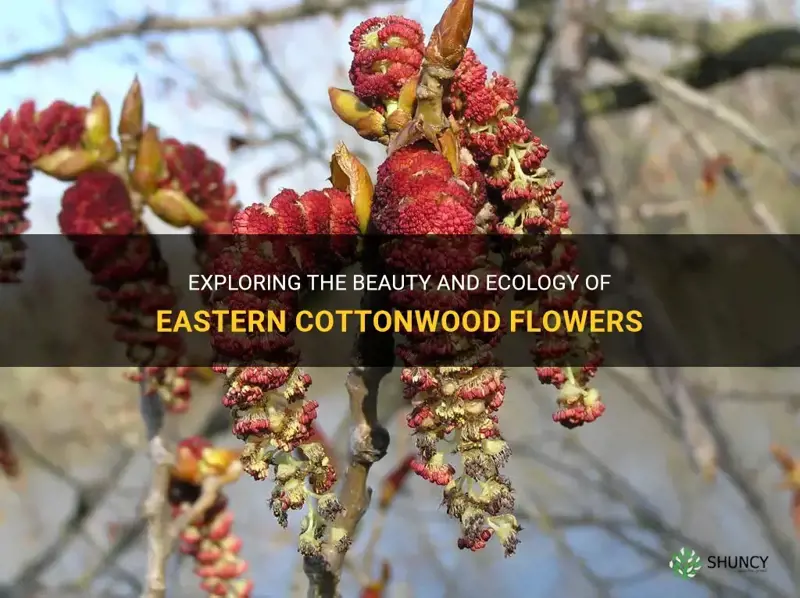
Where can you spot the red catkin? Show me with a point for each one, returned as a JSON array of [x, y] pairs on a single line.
[[25, 136], [527, 201], [209, 539], [387, 52], [131, 276], [451, 378], [265, 390]]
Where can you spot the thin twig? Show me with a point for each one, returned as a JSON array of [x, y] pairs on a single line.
[[734, 179], [528, 83], [369, 443], [229, 100], [710, 448], [153, 23], [218, 421], [90, 497], [283, 84], [369, 440], [680, 91], [617, 489]]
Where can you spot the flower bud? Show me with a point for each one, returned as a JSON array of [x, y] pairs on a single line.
[[131, 120], [397, 120], [449, 39], [97, 123], [66, 164], [368, 123], [404, 109], [173, 207], [216, 461], [447, 144], [186, 467], [408, 96], [348, 174], [149, 166]]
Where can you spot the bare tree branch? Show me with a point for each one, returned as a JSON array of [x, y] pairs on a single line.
[[369, 443], [90, 497], [283, 84], [243, 109], [528, 45], [152, 23], [709, 446], [162, 456], [772, 47], [644, 514], [218, 421], [369, 440], [662, 84], [708, 36]]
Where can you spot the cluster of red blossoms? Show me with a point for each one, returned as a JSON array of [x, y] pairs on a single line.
[[527, 203], [202, 180], [451, 379], [209, 539], [189, 170], [265, 390], [25, 136], [493, 183], [131, 274], [99, 213], [387, 51]]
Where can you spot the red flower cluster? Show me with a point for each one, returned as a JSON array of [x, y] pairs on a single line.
[[202, 179], [527, 201], [25, 136], [210, 540], [131, 275], [417, 194], [388, 52], [264, 389]]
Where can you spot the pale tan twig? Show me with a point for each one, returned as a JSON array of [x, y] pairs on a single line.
[[369, 442], [156, 507]]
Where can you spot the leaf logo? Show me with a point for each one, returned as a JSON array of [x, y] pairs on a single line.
[[686, 563]]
